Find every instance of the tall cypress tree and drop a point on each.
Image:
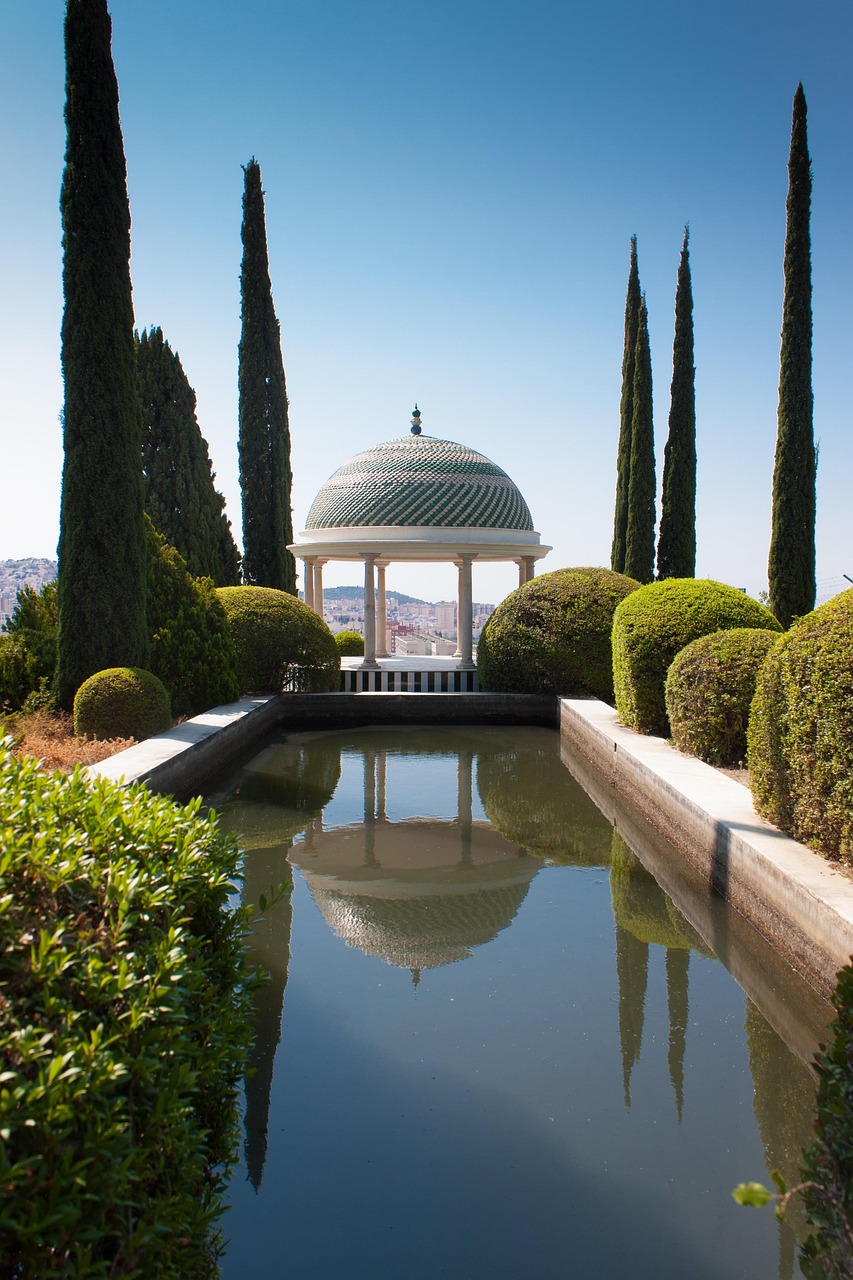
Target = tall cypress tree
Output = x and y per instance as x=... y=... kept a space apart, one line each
x=677 y=538
x=791 y=565
x=626 y=413
x=265 y=476
x=180 y=496
x=640 y=537
x=102 y=564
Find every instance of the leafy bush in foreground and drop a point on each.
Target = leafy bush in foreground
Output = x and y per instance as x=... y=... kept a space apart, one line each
x=121 y=702
x=552 y=635
x=654 y=623
x=123 y=1029
x=280 y=642
x=801 y=731
x=709 y=690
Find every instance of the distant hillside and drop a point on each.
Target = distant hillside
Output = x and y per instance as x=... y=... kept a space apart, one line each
x=15 y=574
x=357 y=593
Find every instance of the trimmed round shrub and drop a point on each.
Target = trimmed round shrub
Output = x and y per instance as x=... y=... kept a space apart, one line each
x=801 y=731
x=191 y=647
x=709 y=690
x=552 y=635
x=279 y=641
x=121 y=702
x=653 y=624
x=350 y=644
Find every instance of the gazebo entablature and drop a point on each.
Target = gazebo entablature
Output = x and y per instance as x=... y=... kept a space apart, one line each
x=378 y=546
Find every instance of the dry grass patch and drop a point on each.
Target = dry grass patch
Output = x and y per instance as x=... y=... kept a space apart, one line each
x=50 y=737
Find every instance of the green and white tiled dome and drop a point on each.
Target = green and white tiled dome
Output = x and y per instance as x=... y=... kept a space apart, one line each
x=419 y=480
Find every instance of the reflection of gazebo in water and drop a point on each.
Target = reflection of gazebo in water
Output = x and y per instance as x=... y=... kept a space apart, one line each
x=416 y=499
x=417 y=893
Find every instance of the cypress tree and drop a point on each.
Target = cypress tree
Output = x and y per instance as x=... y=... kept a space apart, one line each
x=791 y=566
x=180 y=496
x=640 y=536
x=102 y=560
x=626 y=412
x=265 y=476
x=677 y=538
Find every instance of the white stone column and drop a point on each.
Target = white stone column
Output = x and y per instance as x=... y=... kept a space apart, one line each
x=369 y=613
x=318 y=586
x=381 y=611
x=464 y=615
x=308 y=577
x=522 y=571
x=529 y=563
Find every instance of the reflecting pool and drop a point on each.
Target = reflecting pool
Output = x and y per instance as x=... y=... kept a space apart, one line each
x=491 y=1044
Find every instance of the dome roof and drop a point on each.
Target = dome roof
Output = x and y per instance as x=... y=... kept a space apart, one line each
x=419 y=480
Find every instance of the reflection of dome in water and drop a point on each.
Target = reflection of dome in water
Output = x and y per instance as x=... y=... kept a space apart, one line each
x=420 y=933
x=417 y=893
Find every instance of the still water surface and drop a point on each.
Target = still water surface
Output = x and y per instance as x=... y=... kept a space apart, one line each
x=491 y=1046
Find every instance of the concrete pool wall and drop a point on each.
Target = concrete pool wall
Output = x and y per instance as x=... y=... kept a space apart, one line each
x=799 y=902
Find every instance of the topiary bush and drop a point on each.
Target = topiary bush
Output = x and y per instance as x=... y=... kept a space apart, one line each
x=124 y=1030
x=709 y=690
x=279 y=641
x=653 y=624
x=552 y=635
x=192 y=652
x=121 y=702
x=800 y=736
x=350 y=644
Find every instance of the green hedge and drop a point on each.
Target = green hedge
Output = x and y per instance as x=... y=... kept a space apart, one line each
x=350 y=644
x=709 y=690
x=279 y=641
x=121 y=702
x=552 y=635
x=653 y=624
x=191 y=647
x=801 y=731
x=126 y=1017
x=28 y=650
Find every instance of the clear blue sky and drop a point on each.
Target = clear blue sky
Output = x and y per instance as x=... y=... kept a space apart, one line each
x=450 y=192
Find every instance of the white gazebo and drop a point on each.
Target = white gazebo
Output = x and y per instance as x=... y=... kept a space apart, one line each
x=416 y=498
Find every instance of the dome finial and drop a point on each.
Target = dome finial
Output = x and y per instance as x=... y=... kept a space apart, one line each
x=416 y=421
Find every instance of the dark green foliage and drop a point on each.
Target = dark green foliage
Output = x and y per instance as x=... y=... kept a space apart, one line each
x=651 y=626
x=829 y=1161
x=791 y=566
x=640 y=535
x=124 y=1030
x=677 y=536
x=350 y=644
x=179 y=494
x=709 y=690
x=801 y=731
x=28 y=650
x=102 y=538
x=626 y=414
x=552 y=635
x=280 y=642
x=121 y=702
x=192 y=652
x=265 y=476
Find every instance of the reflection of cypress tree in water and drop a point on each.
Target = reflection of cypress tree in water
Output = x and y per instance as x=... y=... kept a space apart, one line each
x=644 y=914
x=278 y=793
x=534 y=801
x=270 y=950
x=677 y=961
x=784 y=1103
